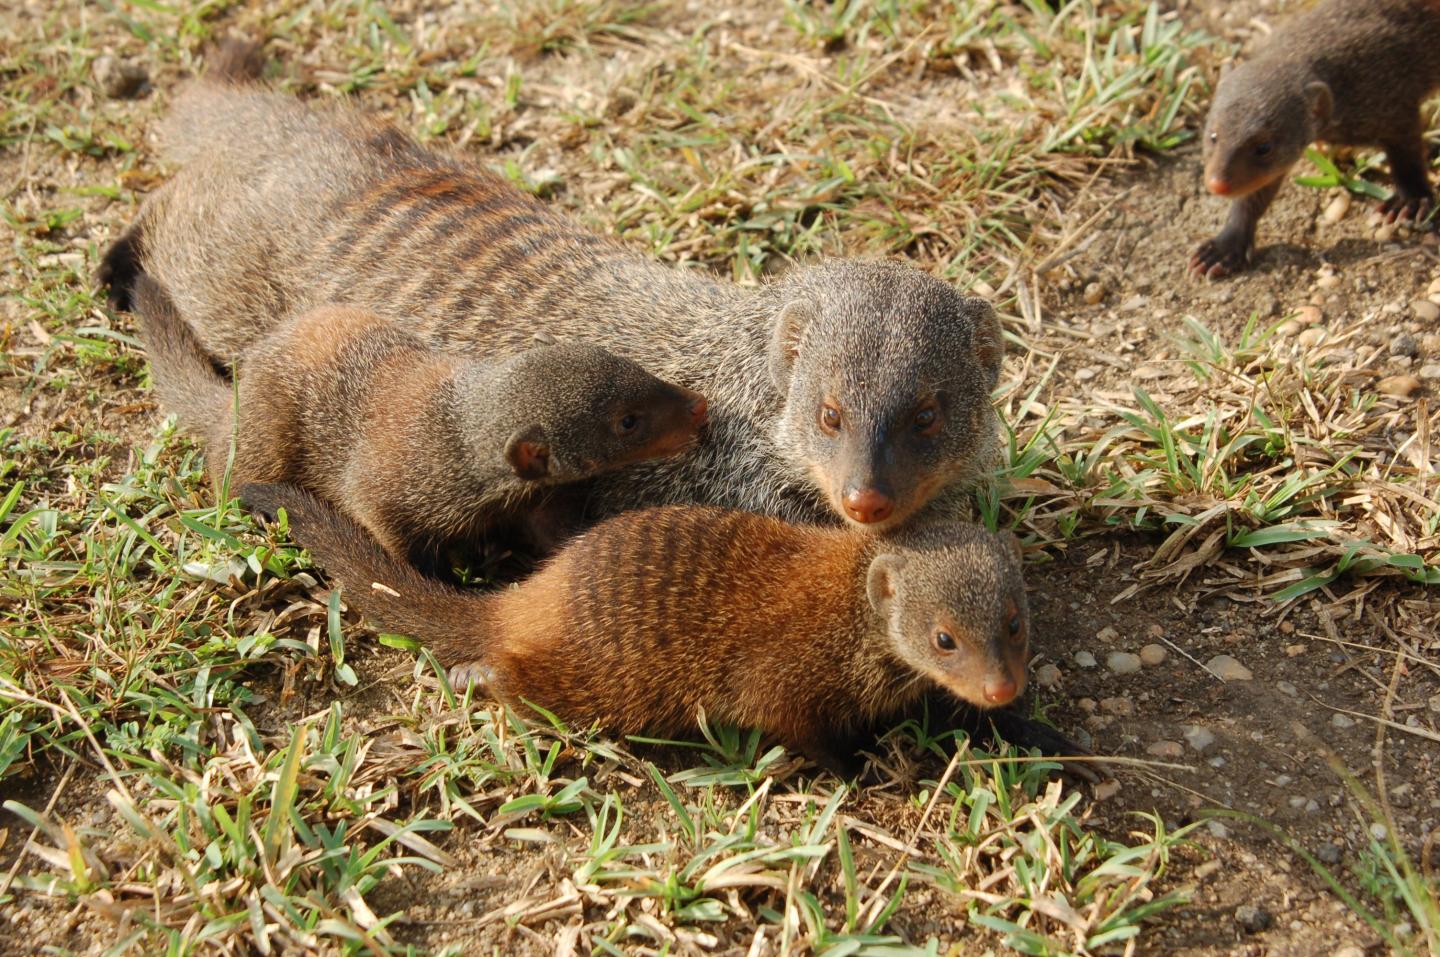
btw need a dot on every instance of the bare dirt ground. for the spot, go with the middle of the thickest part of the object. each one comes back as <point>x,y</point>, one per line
<point>1347,675</point>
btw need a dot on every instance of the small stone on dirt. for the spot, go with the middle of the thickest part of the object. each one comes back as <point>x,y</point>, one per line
<point>1429,373</point>
<point>1094,294</point>
<point>1327,282</point>
<point>1085,375</point>
<point>1122,662</point>
<point>119,79</point>
<point>1169,750</point>
<point>1106,789</point>
<point>1120,707</point>
<point>1336,209</point>
<point>1425,310</point>
<point>1084,659</point>
<point>1400,386</point>
<point>1378,831</point>
<point>1107,634</point>
<point>1217,829</point>
<point>1288,328</point>
<point>1433,289</point>
<point>1152,655</point>
<point>1328,853</point>
<point>1309,314</point>
<point>1404,345</point>
<point>1342,721</point>
<point>1198,737</point>
<point>1227,668</point>
<point>1351,951</point>
<point>1287,688</point>
<point>1047,676</point>
<point>1310,338</point>
<point>1252,919</point>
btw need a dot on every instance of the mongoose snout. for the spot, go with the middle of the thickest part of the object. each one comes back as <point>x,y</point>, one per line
<point>654,616</point>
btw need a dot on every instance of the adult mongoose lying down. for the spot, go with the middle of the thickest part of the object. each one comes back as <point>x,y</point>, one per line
<point>859,389</point>
<point>637,625</point>
<point>421,447</point>
<point>1345,72</point>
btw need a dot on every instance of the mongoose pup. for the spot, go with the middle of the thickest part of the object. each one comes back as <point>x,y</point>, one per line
<point>1344,72</point>
<point>811,633</point>
<point>854,389</point>
<point>422,447</point>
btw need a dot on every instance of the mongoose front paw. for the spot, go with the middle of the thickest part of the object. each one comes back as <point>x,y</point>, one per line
<point>1412,208</point>
<point>1219,257</point>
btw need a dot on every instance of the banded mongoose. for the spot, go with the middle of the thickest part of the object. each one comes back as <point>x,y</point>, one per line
<point>1343,72</point>
<point>422,447</point>
<point>860,389</point>
<point>811,633</point>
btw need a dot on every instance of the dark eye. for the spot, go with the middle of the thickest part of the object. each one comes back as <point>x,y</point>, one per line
<point>829,418</point>
<point>944,641</point>
<point>629,423</point>
<point>1014,624</point>
<point>927,420</point>
<point>1263,149</point>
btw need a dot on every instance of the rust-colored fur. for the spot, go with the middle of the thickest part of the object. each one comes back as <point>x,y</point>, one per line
<point>656,615</point>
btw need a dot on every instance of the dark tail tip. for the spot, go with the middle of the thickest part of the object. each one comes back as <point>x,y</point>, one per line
<point>119,270</point>
<point>235,60</point>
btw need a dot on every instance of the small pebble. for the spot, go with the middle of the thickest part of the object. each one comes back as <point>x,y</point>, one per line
<point>1106,789</point>
<point>1327,282</point>
<point>1152,655</point>
<point>119,79</point>
<point>1336,209</point>
<point>1294,651</point>
<point>1199,738</point>
<point>1252,919</point>
<point>1433,702</point>
<point>1404,345</point>
<point>1309,314</point>
<point>1328,853</point>
<point>1287,688</point>
<point>1169,750</point>
<point>1386,232</point>
<point>1378,831</point>
<point>1351,951</point>
<point>1094,294</point>
<point>1084,659</point>
<point>1311,337</point>
<point>1429,373</point>
<point>1107,634</point>
<point>1122,662</point>
<point>983,288</point>
<point>1425,310</point>
<point>1047,676</point>
<point>1342,721</point>
<point>1282,780</point>
<point>1217,829</point>
<point>1289,328</point>
<point>1434,288</point>
<point>1120,707</point>
<point>1228,669</point>
<point>1085,375</point>
<point>1400,386</point>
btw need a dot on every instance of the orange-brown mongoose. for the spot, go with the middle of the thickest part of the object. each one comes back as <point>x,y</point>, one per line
<point>858,389</point>
<point>651,617</point>
<point>422,447</point>
<point>1343,71</point>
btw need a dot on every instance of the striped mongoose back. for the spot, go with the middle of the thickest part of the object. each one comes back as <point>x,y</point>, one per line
<point>859,389</point>
<point>650,617</point>
<point>420,446</point>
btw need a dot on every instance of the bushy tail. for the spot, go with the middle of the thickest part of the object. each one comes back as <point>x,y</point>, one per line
<point>184,374</point>
<point>383,587</point>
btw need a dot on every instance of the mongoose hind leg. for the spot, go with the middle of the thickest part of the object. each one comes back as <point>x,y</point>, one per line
<point>1413,200</point>
<point>1228,251</point>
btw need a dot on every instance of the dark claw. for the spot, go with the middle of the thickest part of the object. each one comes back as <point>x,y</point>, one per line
<point>1217,258</point>
<point>1403,207</point>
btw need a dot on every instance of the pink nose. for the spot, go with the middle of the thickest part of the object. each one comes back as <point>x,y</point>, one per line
<point>1000,691</point>
<point>1218,185</point>
<point>868,505</point>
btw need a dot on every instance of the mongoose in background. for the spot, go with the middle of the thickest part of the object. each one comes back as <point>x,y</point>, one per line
<point>422,447</point>
<point>811,633</point>
<point>860,389</point>
<point>1345,72</point>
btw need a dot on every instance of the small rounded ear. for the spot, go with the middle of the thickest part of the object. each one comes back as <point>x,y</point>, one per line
<point>988,341</point>
<point>883,579</point>
<point>543,338</point>
<point>1318,96</point>
<point>528,454</point>
<point>785,341</point>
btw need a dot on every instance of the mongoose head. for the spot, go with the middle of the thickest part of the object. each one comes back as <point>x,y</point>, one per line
<point>953,599</point>
<point>578,410</point>
<point>886,373</point>
<point>1262,118</point>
